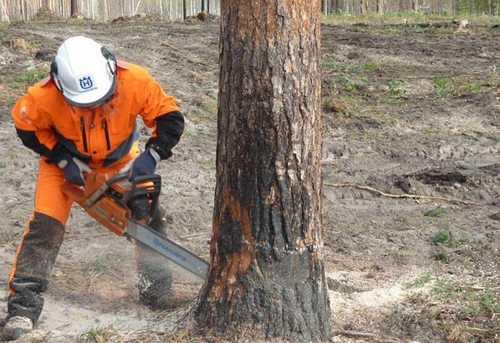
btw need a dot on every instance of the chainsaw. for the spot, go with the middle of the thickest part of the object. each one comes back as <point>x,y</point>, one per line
<point>124,208</point>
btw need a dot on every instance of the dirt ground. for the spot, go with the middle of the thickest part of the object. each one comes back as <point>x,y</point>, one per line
<point>408,110</point>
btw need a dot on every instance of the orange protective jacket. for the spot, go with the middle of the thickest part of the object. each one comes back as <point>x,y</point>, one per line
<point>100,136</point>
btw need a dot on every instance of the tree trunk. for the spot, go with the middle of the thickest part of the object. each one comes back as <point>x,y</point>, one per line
<point>266,261</point>
<point>336,6</point>
<point>363,6</point>
<point>4,15</point>
<point>380,6</point>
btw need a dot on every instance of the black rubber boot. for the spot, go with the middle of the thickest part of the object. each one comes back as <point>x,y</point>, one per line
<point>155,277</point>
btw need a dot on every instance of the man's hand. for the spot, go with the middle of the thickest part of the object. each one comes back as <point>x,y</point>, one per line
<point>144,164</point>
<point>73,170</point>
<point>72,167</point>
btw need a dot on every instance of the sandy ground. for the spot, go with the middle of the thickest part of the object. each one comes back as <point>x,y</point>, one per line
<point>408,110</point>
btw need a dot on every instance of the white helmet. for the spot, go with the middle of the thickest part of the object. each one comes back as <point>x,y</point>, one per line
<point>84,72</point>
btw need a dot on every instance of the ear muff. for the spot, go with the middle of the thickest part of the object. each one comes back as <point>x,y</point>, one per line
<point>110,57</point>
<point>53,75</point>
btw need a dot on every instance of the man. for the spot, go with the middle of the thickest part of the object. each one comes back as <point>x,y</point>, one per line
<point>86,111</point>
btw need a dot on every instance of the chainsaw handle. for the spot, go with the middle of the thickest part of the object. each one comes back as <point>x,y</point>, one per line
<point>96,195</point>
<point>144,188</point>
<point>117,178</point>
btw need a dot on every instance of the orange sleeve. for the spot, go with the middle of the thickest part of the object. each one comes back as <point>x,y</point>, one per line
<point>155,102</point>
<point>28,117</point>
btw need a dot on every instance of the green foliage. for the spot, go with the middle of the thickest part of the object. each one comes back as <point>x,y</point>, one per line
<point>435,212</point>
<point>442,238</point>
<point>23,80</point>
<point>31,76</point>
<point>370,67</point>
<point>397,88</point>
<point>470,88</point>
<point>350,86</point>
<point>473,300</point>
<point>489,302</point>
<point>443,87</point>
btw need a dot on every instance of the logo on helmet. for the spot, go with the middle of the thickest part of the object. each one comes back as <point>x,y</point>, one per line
<point>86,83</point>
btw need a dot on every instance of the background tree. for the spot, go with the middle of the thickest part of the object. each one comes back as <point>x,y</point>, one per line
<point>380,6</point>
<point>4,15</point>
<point>266,260</point>
<point>74,7</point>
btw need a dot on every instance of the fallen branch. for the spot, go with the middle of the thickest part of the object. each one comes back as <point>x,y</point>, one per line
<point>399,196</point>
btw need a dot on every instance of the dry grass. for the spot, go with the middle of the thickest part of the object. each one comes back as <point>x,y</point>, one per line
<point>458,311</point>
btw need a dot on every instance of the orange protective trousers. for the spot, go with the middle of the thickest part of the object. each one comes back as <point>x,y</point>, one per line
<point>43,237</point>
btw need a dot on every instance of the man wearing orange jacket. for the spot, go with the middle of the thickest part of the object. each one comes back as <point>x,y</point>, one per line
<point>85,112</point>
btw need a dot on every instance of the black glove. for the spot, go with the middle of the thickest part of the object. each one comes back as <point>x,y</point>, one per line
<point>169,128</point>
<point>144,164</point>
<point>73,169</point>
<point>73,172</point>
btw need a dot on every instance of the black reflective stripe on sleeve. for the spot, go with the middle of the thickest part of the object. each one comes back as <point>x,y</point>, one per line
<point>31,141</point>
<point>169,129</point>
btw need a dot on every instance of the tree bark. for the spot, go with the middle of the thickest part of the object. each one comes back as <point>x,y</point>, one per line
<point>266,260</point>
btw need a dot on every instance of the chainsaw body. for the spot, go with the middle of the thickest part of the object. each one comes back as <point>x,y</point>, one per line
<point>126,207</point>
<point>112,200</point>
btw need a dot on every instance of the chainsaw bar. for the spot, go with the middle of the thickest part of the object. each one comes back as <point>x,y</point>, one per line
<point>168,249</point>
